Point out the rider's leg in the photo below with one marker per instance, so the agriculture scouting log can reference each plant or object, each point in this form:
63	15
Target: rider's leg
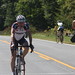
13	56
58	34
25	50
62	39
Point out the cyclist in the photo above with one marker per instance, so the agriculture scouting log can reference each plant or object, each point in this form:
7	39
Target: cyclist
73	36
73	24
18	33
60	31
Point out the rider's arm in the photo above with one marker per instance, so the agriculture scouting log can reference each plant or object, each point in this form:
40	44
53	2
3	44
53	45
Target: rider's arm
30	36
12	34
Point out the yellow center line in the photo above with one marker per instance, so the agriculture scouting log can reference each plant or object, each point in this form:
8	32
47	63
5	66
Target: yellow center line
44	57
4	41
55	60
47	57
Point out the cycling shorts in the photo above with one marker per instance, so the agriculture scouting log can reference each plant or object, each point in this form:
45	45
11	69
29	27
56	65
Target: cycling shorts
22	41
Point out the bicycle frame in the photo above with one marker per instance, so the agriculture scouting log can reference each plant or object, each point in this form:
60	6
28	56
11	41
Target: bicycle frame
19	65
18	62
59	36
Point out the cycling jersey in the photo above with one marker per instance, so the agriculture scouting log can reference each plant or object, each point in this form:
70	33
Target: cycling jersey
60	28
20	31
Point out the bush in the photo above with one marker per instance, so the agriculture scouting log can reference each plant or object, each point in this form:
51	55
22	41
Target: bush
7	31
33	29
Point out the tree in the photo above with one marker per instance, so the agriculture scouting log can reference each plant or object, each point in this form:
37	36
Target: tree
33	12
40	13
10	15
50	8
67	12
2	15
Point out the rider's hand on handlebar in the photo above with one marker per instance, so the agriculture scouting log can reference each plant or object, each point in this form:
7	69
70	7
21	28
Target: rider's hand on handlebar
12	45
32	47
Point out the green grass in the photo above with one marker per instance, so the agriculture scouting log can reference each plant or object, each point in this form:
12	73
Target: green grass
51	37
45	36
5	32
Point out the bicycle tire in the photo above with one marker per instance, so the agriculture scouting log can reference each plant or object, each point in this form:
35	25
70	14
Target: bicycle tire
15	70
19	66
61	38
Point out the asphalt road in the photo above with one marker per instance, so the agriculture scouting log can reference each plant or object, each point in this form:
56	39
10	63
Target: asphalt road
49	58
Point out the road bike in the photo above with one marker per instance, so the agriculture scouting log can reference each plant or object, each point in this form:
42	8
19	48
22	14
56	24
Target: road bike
20	63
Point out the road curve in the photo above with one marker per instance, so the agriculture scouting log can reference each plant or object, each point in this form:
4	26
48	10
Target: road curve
48	58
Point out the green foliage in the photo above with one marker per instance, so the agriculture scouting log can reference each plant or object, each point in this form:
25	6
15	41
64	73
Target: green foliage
33	12
33	29
6	31
1	23
10	16
50	8
39	13
2	15
67	12
7	13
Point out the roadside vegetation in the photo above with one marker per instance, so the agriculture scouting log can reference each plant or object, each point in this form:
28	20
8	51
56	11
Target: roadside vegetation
45	35
50	35
40	14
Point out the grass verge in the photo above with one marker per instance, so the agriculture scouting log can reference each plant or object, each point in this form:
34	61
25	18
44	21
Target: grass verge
51	37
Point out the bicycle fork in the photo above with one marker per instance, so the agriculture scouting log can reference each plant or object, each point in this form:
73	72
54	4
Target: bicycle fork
20	66
23	68
17	66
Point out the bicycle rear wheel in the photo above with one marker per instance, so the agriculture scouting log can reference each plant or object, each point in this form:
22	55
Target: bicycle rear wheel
16	71
61	38
18	66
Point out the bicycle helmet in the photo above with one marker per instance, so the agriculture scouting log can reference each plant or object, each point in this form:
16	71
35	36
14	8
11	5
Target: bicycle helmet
73	20
20	18
59	22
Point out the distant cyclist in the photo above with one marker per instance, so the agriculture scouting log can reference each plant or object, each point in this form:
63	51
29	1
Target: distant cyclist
73	24
59	32
18	33
73	27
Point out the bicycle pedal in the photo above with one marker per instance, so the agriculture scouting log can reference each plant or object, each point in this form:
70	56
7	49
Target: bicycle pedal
23	70
23	63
